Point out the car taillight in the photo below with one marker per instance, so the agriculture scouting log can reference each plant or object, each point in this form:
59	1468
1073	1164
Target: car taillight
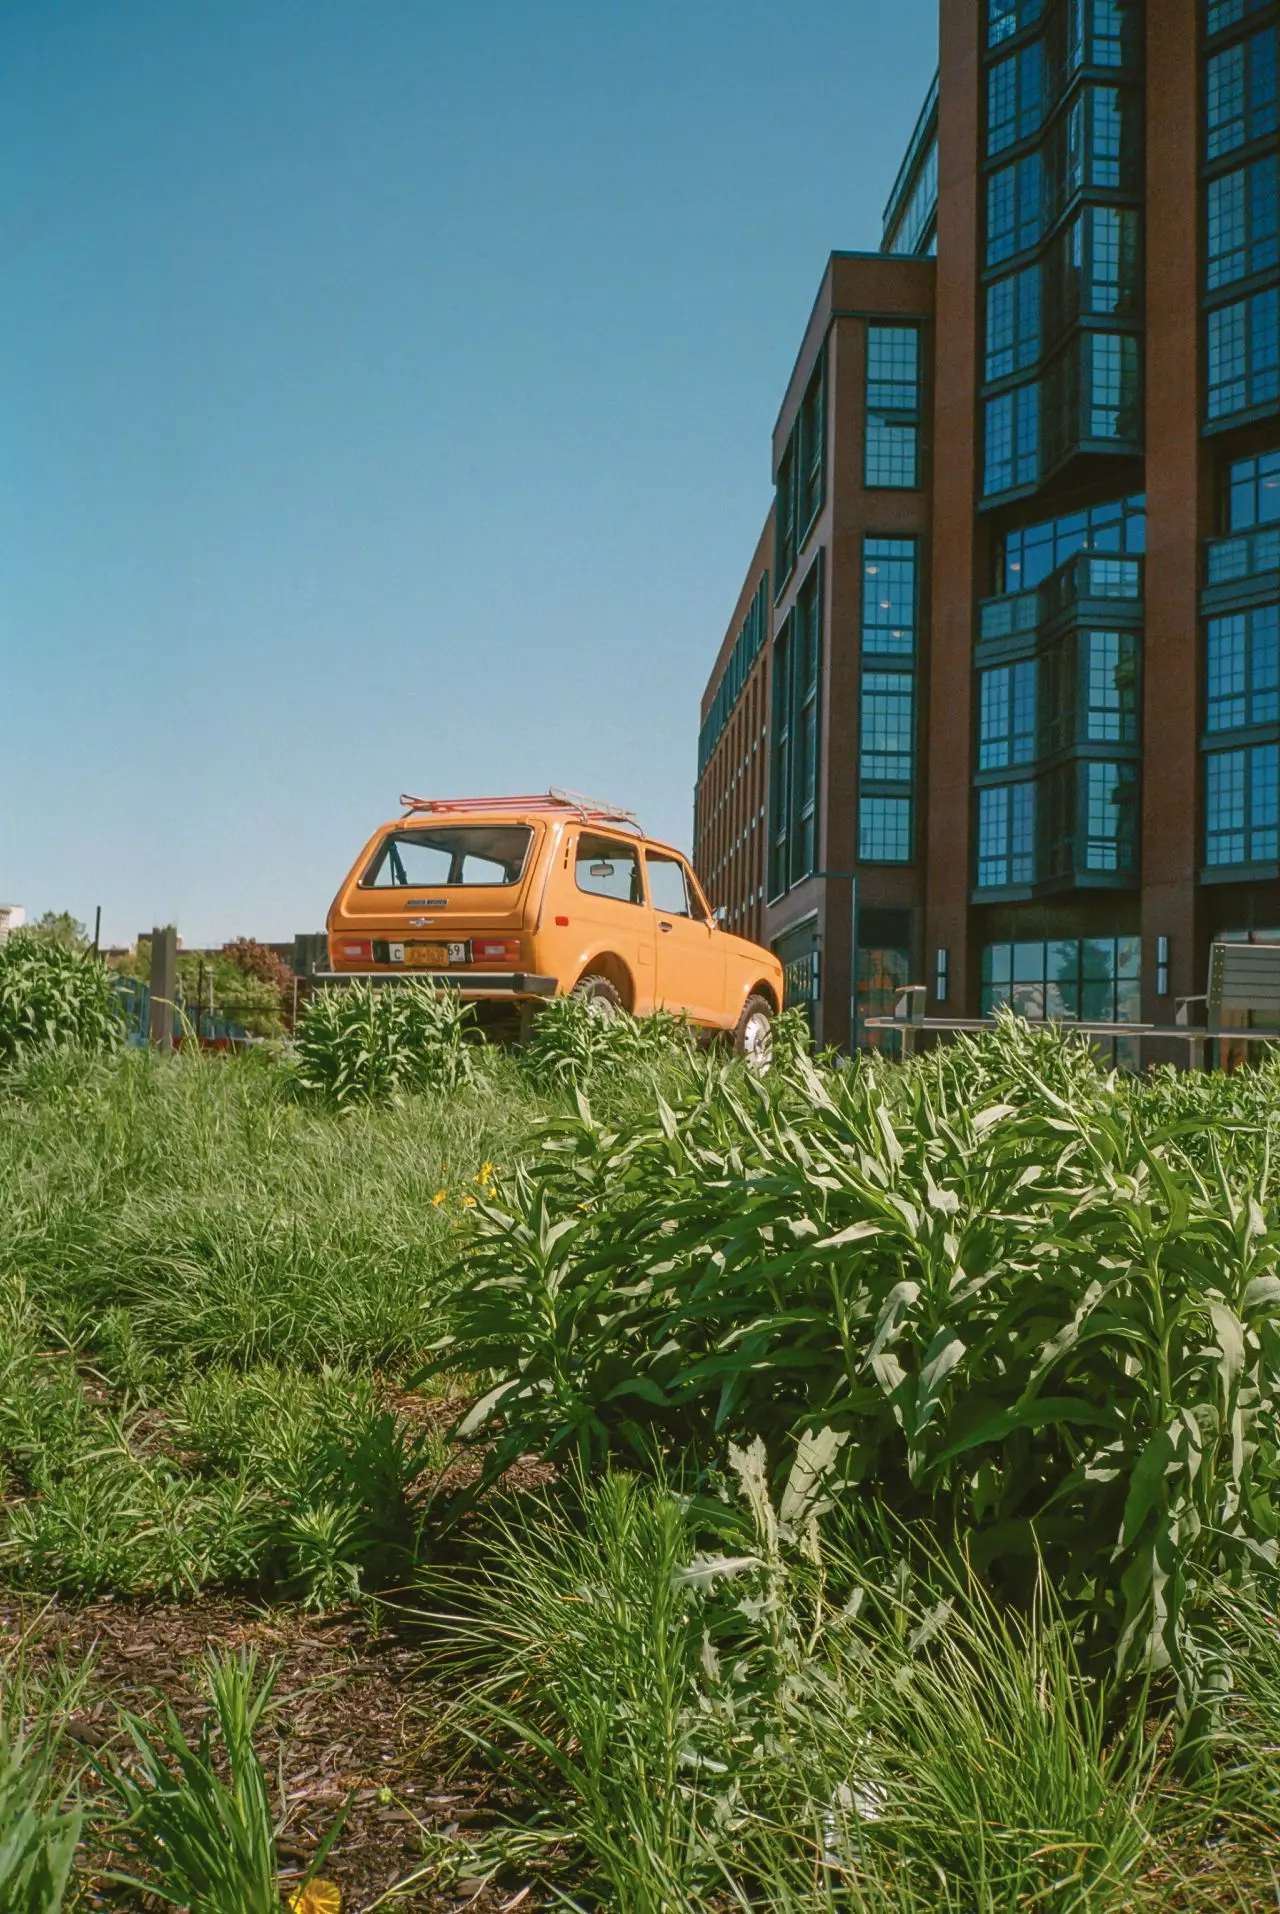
500	950
356	953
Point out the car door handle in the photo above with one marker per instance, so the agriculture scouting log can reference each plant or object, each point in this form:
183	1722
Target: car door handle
664	927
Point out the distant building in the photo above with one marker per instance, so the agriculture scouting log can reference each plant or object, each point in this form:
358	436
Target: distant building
1009	649
12	917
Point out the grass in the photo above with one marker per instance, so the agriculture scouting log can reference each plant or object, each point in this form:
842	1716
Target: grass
748	1649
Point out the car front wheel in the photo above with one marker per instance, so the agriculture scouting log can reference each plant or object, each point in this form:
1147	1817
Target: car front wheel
753	1036
600	997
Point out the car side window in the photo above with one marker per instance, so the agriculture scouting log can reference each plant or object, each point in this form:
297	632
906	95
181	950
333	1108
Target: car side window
667	890
608	867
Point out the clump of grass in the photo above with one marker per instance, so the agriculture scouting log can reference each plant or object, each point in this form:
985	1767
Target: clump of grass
205	1839
574	1045
39	1822
363	1045
53	996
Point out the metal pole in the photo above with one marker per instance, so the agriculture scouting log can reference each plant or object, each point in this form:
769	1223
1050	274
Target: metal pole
97	929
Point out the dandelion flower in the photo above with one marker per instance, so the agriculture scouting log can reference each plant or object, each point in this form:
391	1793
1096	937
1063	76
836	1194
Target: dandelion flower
438	1198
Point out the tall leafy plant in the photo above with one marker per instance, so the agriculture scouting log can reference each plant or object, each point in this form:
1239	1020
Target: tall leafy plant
53	995
362	1044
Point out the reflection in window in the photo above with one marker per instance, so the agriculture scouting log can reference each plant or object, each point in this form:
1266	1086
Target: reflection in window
884	830
1007	715
1111	686
1013	323
1244	354
1240	93
1242	806
1109	816
1015	208
889	596
793	783
1243	661
1006	835
1253	495
1243	222
1015	98
1094	978
1011	440
1028	555
1007	17
887	726
892	406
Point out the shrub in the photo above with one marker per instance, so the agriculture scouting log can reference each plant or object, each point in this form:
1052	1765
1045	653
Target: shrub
1038	1320
362	1044
52	995
572	1046
267	966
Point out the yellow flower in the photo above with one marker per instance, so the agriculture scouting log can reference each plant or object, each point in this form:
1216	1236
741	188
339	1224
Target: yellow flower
317	1897
438	1198
485	1173
468	1202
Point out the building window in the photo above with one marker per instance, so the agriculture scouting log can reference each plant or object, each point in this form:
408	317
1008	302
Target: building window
919	215
1011	440
1244	354
1006	835
1094	978
1099	143
1112	390
1007	715
884	830
793	793
1110	661
1101	33
1229	13
1015	98
746	649
1244	222
887	727
889	596
1240	93
893	407
1253	492
1242	806
1013	323
1007	17
1098	269
801	477
1015	208
1109	816
1243	663
1027	556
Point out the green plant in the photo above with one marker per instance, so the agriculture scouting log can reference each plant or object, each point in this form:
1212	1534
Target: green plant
207	1843
1041	1322
53	994
362	1044
572	1046
39	1828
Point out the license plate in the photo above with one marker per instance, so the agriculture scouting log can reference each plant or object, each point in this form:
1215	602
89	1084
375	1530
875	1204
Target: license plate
420	956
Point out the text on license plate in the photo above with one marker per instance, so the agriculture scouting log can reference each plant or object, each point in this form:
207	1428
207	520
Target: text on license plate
429	956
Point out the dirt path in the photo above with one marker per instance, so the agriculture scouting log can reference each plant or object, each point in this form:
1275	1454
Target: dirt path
353	1716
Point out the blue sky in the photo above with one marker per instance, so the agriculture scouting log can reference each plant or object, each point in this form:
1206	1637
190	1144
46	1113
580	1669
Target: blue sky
385	399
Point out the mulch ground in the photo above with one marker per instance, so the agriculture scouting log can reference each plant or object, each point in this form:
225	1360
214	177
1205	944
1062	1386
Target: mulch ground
353	1717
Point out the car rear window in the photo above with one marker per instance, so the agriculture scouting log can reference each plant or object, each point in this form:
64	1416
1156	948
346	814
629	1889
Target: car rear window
433	857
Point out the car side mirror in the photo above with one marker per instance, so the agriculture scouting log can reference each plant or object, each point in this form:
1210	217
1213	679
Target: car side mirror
720	916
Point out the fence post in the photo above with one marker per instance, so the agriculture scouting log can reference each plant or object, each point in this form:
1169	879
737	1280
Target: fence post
164	978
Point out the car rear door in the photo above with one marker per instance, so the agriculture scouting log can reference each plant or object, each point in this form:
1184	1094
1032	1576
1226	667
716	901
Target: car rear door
606	909
689	951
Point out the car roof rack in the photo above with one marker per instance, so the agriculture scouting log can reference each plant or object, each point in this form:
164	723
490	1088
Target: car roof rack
588	809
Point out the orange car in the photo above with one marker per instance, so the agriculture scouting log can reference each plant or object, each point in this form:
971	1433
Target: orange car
509	900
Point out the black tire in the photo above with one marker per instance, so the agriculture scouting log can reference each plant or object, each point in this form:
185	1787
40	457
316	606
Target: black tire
600	995
753	1034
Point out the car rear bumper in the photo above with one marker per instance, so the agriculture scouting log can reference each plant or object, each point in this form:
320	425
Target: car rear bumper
473	983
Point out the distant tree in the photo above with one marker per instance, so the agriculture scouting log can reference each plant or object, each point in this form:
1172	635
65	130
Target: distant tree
260	961
59	927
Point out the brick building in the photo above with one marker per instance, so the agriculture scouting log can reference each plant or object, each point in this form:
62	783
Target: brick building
1009	649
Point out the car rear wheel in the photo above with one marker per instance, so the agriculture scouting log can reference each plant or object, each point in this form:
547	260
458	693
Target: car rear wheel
600	997
753	1036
